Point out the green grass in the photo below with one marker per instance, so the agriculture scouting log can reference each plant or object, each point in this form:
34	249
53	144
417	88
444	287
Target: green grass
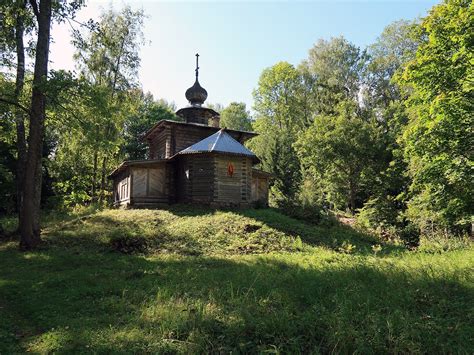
200	281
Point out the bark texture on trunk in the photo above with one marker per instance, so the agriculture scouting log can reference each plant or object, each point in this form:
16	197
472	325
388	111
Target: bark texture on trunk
94	177
19	114
30	210
352	194
103	178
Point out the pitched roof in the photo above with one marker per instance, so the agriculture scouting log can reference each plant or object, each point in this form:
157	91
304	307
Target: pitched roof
219	142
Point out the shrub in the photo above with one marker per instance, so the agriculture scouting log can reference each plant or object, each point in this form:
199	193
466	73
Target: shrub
440	243
380	215
308	213
410	235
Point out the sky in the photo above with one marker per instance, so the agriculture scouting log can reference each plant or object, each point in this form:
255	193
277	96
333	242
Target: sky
236	41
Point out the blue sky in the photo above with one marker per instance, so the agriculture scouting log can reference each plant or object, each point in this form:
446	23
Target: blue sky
237	40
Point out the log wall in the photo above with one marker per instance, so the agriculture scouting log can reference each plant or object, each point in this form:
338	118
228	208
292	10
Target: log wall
151	185
160	145
122	186
186	136
195	177
235	188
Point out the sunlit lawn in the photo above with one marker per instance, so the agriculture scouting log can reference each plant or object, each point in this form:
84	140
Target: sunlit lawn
206	281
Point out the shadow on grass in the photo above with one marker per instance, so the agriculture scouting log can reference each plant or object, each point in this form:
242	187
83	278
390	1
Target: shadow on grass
58	301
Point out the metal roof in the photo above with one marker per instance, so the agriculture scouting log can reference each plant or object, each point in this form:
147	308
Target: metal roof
219	142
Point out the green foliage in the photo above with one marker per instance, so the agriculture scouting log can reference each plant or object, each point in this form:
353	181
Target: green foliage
236	116
11	14
96	114
74	296
108	56
387	57
410	235
311	213
438	139
334	69
341	153
7	169
146	112
380	214
392	50
440	244
278	120
386	129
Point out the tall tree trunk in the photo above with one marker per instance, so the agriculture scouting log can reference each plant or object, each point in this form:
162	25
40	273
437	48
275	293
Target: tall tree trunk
352	195
103	178
30	209
94	177
19	114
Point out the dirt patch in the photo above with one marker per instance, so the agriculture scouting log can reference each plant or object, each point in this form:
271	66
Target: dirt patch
250	228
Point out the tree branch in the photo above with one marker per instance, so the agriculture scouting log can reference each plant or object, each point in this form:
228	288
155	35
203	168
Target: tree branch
16	104
34	6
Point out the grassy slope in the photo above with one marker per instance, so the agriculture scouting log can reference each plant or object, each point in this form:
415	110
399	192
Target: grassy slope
251	281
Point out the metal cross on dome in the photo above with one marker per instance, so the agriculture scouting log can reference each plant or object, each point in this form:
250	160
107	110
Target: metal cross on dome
197	65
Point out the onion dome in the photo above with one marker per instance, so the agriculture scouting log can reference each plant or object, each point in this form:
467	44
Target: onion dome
196	94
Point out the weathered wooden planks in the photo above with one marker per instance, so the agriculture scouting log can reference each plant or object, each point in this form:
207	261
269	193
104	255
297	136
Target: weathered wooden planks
156	182
139	182
259	187
232	187
150	184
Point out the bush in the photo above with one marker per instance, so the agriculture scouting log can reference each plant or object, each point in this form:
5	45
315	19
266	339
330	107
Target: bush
311	214
410	235
439	243
379	215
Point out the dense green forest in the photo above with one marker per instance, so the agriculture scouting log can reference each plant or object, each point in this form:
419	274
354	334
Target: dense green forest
384	133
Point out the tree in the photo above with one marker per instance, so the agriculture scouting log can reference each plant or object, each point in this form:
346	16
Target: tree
392	50
333	71
7	159
16	21
381	95
279	120
439	138
236	116
30	207
216	107
108	55
339	154
43	14
108	58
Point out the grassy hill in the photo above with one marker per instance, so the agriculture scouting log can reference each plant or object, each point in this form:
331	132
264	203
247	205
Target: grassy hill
196	280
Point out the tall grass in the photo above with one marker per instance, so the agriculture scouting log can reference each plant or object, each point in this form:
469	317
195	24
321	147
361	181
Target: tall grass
214	281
